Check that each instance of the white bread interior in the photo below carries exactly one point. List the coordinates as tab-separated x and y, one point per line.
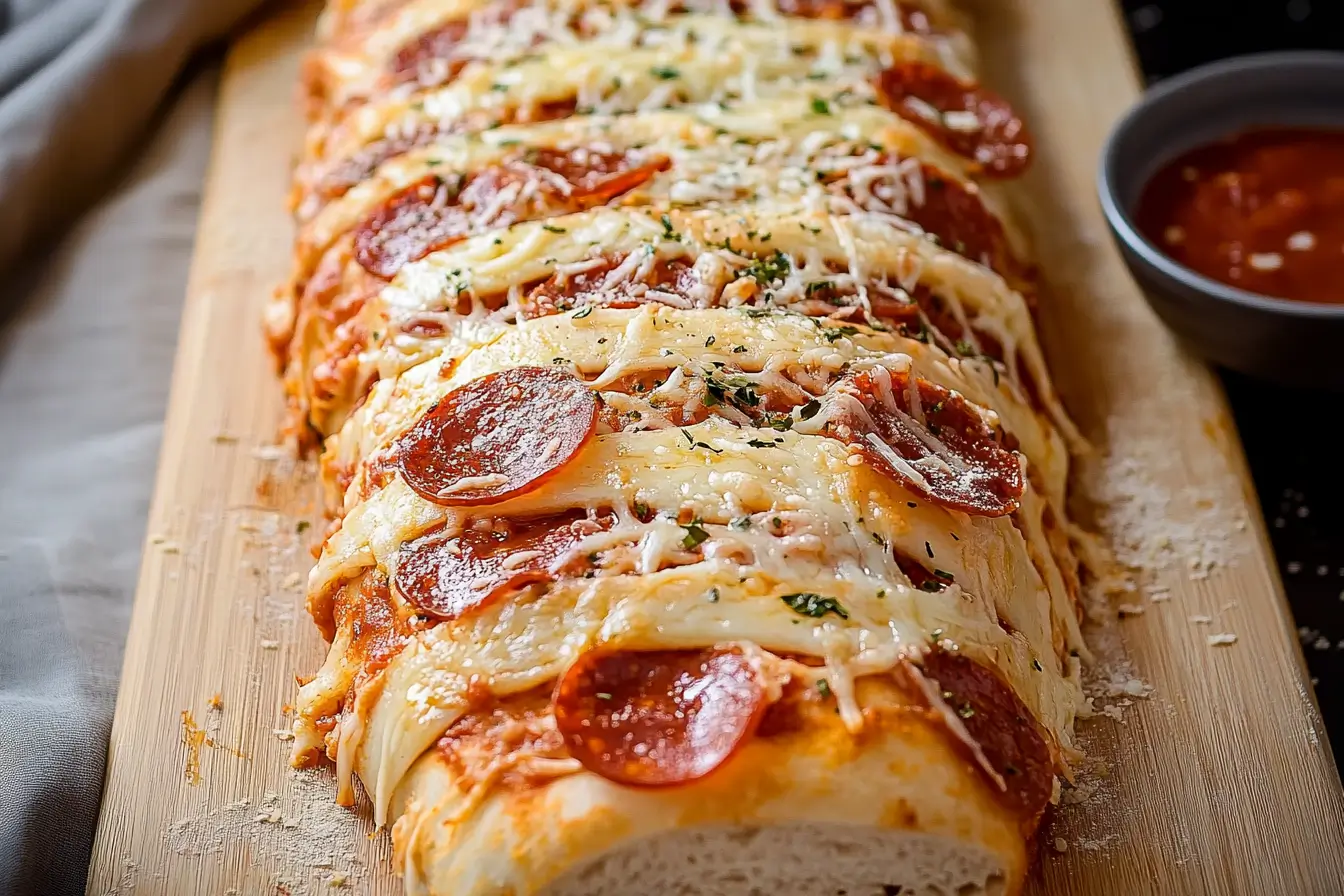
814	811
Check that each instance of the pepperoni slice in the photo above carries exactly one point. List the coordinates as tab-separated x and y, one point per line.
423	217
956	214
338	179
429	59
657	718
997	720
966	118
498	436
435	212
933	441
667	282
448	577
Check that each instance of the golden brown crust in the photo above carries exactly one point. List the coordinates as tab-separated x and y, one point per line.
692	461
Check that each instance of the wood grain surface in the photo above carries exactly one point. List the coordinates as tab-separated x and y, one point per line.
1209	769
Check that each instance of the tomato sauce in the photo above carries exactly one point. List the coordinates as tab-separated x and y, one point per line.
1261	210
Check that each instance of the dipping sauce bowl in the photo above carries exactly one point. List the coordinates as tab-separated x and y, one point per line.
1224	190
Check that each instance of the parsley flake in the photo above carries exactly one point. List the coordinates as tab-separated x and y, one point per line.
695	534
808	603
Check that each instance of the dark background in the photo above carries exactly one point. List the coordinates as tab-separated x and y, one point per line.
1292	439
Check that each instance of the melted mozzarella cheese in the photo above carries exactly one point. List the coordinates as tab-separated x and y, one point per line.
359	71
606	344
856	515
728	146
618	79
816	243
760	107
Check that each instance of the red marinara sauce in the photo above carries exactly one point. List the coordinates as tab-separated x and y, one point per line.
1262	210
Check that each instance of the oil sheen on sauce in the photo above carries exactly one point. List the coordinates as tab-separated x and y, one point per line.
1262	210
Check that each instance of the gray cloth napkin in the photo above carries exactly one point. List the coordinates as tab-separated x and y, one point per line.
96	119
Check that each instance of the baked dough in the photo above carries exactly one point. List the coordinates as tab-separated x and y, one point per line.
697	485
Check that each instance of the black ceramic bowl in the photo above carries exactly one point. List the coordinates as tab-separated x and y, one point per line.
1295	343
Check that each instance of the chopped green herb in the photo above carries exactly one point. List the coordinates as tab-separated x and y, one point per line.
824	688
1036	664
665	72
810	410
694	535
821	107
928	548
766	271
602	695
834	333
641	509
550	228
945	575
965	711
808	603
582	312
709	341
712	596
741	523
302	526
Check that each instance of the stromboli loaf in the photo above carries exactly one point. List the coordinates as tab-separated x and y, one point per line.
697	482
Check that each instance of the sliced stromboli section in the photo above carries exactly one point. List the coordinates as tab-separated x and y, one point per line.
657	366
710	59
849	269
696	483
662	486
350	251
426	44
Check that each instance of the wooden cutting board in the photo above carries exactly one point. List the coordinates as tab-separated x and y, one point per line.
1211	772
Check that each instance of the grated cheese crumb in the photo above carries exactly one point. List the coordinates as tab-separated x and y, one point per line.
1266	261
1222	639
1061	845
1302	241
